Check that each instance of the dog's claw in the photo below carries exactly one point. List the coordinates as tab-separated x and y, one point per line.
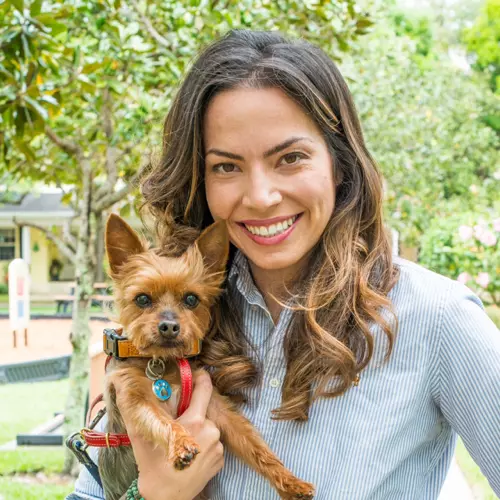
185	458
299	491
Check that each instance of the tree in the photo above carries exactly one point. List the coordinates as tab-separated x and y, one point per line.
83	88
482	40
423	120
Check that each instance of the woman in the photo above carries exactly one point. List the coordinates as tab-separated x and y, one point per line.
357	370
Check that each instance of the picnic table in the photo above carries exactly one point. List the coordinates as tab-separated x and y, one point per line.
100	297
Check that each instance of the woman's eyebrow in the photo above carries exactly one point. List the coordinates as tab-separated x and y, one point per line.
284	145
270	152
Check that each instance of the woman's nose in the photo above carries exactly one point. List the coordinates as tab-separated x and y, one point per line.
261	191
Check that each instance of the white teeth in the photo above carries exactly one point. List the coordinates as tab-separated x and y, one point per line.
273	229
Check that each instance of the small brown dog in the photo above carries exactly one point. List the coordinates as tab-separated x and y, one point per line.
164	305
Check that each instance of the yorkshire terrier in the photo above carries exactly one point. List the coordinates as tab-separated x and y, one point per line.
164	305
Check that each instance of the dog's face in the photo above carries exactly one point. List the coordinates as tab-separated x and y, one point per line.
164	303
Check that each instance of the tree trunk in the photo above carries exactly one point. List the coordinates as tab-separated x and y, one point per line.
80	334
99	244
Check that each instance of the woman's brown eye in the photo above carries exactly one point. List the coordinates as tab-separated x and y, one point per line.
292	158
225	168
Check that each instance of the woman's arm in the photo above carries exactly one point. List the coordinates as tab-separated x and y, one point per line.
467	378
158	479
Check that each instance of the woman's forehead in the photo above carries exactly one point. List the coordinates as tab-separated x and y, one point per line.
255	118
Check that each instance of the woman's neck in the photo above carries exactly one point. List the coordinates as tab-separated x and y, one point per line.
273	284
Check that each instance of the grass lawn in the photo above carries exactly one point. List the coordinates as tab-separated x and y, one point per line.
17	489
25	406
41	307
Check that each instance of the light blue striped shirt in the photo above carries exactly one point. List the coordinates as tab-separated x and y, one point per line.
394	435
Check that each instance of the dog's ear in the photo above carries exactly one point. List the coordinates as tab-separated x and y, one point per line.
213	244
121	242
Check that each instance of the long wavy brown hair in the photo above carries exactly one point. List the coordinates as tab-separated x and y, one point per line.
343	293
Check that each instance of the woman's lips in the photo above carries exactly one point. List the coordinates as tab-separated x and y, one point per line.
271	240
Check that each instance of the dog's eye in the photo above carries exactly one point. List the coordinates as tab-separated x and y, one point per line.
143	300
191	300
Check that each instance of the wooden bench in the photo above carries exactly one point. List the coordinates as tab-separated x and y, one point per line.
63	302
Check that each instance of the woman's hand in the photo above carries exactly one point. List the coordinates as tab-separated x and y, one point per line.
158	479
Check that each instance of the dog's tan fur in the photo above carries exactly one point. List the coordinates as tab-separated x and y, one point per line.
136	270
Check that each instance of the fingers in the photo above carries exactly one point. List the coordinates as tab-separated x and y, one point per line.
202	392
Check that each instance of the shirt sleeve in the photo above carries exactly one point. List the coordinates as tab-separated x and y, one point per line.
469	378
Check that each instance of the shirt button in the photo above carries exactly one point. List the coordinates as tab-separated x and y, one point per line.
274	382
254	308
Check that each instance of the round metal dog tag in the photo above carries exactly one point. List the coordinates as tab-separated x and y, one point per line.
162	389
155	369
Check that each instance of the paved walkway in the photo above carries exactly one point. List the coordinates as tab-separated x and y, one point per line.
47	338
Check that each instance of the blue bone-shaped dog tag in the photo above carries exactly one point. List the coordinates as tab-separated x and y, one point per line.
162	389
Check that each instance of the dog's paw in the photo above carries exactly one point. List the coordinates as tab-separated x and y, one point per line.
185	453
298	490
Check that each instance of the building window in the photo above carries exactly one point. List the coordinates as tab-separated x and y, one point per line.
7	244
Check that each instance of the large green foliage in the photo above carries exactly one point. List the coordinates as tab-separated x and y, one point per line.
423	123
483	40
101	72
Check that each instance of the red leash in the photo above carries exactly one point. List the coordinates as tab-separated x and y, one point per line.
110	440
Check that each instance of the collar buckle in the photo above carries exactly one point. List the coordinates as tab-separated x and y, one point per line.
111	338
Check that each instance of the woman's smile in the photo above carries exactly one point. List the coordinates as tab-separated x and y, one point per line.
270	231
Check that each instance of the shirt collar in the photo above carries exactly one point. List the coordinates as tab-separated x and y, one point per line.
240	278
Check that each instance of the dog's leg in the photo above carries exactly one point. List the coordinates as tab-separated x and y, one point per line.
139	406
244	441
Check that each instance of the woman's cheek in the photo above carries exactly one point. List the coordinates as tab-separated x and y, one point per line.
217	199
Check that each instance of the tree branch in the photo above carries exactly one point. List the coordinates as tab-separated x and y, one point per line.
71	148
150	28
62	247
111	151
109	199
68	237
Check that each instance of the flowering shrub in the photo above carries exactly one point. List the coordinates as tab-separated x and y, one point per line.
466	247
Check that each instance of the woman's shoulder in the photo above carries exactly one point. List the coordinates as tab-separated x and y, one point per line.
423	296
419	282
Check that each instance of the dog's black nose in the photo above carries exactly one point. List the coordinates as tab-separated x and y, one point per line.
169	329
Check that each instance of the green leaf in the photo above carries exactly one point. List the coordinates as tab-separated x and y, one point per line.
91	67
37	107
125	210
86	84
25	149
57	28
49	99
17	4
66	198
26	49
36	7
32	70
19	121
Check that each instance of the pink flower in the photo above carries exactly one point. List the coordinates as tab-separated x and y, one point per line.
483	279
478	231
496	225
464	278
465	233
487	238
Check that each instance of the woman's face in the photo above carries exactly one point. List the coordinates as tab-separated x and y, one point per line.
268	174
